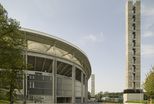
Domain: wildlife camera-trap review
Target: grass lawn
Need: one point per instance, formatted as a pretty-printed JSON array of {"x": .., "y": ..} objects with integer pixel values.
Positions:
[
  {"x": 142, "y": 101},
  {"x": 4, "y": 102},
  {"x": 7, "y": 102},
  {"x": 139, "y": 101}
]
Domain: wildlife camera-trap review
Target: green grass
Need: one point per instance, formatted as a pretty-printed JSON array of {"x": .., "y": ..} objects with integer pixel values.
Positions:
[
  {"x": 4, "y": 102},
  {"x": 139, "y": 101}
]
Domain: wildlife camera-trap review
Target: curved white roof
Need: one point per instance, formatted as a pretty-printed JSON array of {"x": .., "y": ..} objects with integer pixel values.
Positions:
[{"x": 46, "y": 43}]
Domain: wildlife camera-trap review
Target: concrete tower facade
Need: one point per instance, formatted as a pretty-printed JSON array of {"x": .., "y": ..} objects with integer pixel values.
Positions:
[
  {"x": 133, "y": 51},
  {"x": 92, "y": 85}
]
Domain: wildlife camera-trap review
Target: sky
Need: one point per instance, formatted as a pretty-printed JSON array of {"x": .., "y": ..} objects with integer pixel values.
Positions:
[{"x": 96, "y": 26}]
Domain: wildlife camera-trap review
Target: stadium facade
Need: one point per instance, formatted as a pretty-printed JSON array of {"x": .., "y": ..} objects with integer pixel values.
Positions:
[{"x": 59, "y": 71}]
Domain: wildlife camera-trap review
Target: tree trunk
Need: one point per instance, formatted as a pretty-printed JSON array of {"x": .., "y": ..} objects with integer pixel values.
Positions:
[{"x": 11, "y": 95}]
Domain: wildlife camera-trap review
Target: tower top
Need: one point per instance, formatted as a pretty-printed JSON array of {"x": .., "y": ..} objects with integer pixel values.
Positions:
[{"x": 133, "y": 0}]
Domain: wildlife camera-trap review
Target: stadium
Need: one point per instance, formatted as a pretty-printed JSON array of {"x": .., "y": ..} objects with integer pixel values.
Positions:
[{"x": 59, "y": 70}]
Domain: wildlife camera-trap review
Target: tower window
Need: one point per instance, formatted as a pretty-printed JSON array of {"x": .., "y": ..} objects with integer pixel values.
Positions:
[
  {"x": 134, "y": 35},
  {"x": 134, "y": 51},
  {"x": 134, "y": 60},
  {"x": 134, "y": 43},
  {"x": 134, "y": 9},
  {"x": 134, "y": 85},
  {"x": 133, "y": 76},
  {"x": 134, "y": 68},
  {"x": 134, "y": 18},
  {"x": 134, "y": 26},
  {"x": 133, "y": 80}
]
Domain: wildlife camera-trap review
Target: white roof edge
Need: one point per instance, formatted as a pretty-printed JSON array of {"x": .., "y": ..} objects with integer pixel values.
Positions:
[
  {"x": 59, "y": 39},
  {"x": 52, "y": 36}
]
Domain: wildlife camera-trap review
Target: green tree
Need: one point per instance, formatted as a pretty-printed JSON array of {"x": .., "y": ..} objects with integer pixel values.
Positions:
[
  {"x": 149, "y": 85},
  {"x": 89, "y": 95},
  {"x": 11, "y": 54},
  {"x": 99, "y": 96}
]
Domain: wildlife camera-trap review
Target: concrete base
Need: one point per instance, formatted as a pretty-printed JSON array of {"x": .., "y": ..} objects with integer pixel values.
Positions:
[{"x": 132, "y": 97}]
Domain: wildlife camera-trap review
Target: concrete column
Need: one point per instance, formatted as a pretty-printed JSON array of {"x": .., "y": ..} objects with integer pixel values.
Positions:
[
  {"x": 86, "y": 90},
  {"x": 73, "y": 84},
  {"x": 25, "y": 87},
  {"x": 81, "y": 87},
  {"x": 54, "y": 85},
  {"x": 25, "y": 74}
]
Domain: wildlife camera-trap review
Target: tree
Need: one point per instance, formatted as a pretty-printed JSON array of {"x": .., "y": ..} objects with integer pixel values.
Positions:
[
  {"x": 89, "y": 95},
  {"x": 149, "y": 85},
  {"x": 11, "y": 54},
  {"x": 99, "y": 96}
]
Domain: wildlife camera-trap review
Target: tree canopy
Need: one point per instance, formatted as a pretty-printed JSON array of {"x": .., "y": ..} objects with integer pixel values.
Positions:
[
  {"x": 11, "y": 54},
  {"x": 149, "y": 84}
]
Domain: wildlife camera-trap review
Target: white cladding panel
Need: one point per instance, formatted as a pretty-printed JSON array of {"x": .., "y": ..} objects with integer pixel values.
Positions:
[
  {"x": 64, "y": 87},
  {"x": 77, "y": 89}
]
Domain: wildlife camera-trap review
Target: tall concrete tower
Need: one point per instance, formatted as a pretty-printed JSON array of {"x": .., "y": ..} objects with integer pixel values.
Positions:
[
  {"x": 92, "y": 85},
  {"x": 133, "y": 51}
]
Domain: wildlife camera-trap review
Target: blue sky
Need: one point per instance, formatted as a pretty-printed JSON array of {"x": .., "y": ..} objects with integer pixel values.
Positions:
[{"x": 96, "y": 26}]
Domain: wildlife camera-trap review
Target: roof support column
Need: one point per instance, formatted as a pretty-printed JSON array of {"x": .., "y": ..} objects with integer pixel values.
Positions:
[
  {"x": 25, "y": 74},
  {"x": 54, "y": 86},
  {"x": 81, "y": 87},
  {"x": 25, "y": 87},
  {"x": 86, "y": 90},
  {"x": 73, "y": 84}
]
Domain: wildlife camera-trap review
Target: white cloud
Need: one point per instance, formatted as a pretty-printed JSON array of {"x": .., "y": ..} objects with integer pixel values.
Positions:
[
  {"x": 91, "y": 39},
  {"x": 147, "y": 19},
  {"x": 149, "y": 34},
  {"x": 147, "y": 9},
  {"x": 148, "y": 51}
]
